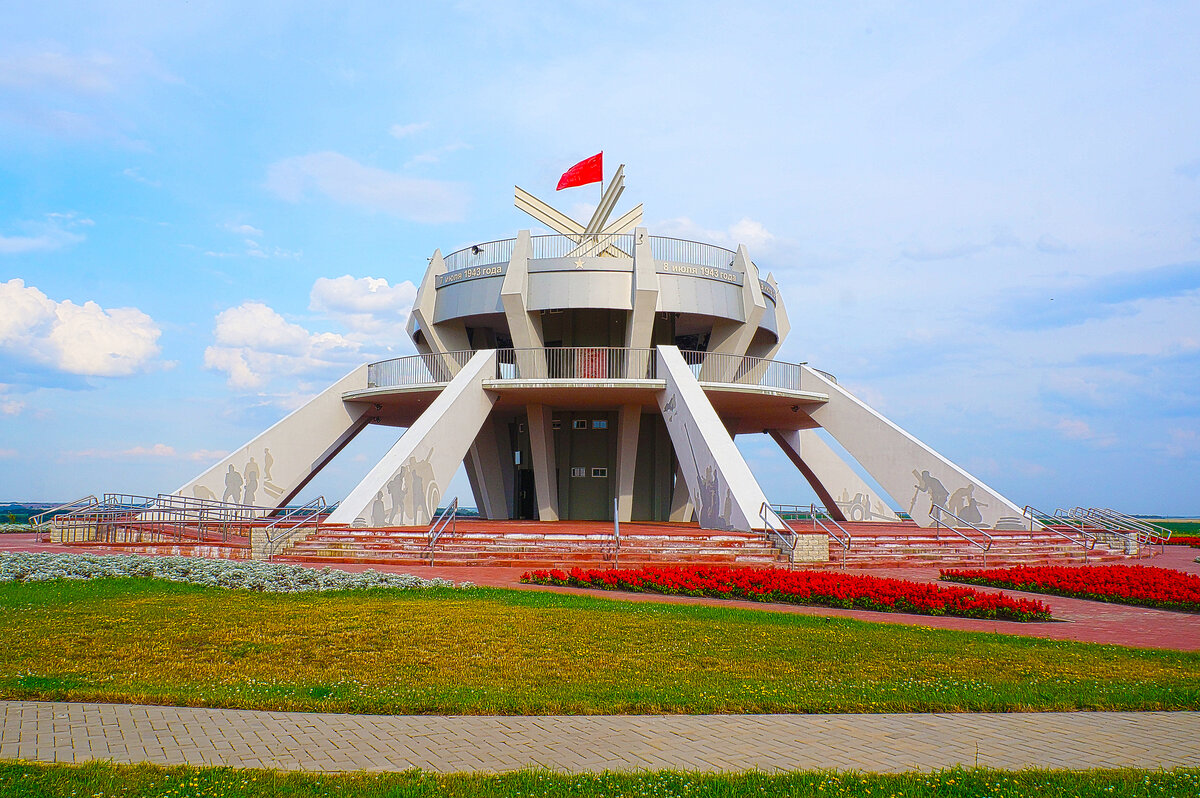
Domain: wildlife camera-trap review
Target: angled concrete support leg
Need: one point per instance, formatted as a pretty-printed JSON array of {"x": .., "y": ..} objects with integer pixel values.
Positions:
[
  {"x": 681, "y": 500},
  {"x": 486, "y": 474},
  {"x": 628, "y": 426},
  {"x": 271, "y": 469},
  {"x": 844, "y": 493},
  {"x": 914, "y": 475},
  {"x": 545, "y": 469},
  {"x": 724, "y": 491},
  {"x": 405, "y": 487}
]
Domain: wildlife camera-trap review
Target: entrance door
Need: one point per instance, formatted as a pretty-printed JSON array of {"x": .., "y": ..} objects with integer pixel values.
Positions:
[{"x": 526, "y": 497}]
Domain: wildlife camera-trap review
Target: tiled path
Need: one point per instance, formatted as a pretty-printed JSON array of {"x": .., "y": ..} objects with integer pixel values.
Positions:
[{"x": 68, "y": 732}]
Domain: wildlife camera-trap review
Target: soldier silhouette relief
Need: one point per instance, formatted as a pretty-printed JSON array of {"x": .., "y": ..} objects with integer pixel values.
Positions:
[{"x": 233, "y": 486}]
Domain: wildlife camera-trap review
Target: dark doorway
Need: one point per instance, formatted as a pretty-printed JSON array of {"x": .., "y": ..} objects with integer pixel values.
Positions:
[{"x": 526, "y": 502}]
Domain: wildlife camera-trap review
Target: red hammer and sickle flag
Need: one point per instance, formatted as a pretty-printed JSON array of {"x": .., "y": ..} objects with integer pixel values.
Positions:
[{"x": 589, "y": 170}]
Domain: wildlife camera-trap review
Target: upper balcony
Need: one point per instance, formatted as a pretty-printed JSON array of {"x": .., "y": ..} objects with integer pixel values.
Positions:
[
  {"x": 587, "y": 365},
  {"x": 749, "y": 393}
]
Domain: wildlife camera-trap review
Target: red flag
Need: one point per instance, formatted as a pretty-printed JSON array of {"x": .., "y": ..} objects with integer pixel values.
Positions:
[{"x": 589, "y": 170}]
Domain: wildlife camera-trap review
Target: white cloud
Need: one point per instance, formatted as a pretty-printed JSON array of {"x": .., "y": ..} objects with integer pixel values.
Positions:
[
  {"x": 135, "y": 175},
  {"x": 435, "y": 156},
  {"x": 11, "y": 407},
  {"x": 253, "y": 344},
  {"x": 8, "y": 453},
  {"x": 153, "y": 452},
  {"x": 346, "y": 181},
  {"x": 55, "y": 232},
  {"x": 364, "y": 304},
  {"x": 400, "y": 131},
  {"x": 244, "y": 230},
  {"x": 94, "y": 73},
  {"x": 78, "y": 339},
  {"x": 757, "y": 238},
  {"x": 253, "y": 247}
]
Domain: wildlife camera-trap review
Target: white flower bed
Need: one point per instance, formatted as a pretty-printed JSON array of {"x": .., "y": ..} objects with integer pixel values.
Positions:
[
  {"x": 266, "y": 577},
  {"x": 7, "y": 527}
]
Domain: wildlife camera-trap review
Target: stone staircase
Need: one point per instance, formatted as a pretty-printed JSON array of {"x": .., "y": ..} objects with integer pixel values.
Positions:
[
  {"x": 566, "y": 544},
  {"x": 906, "y": 544},
  {"x": 559, "y": 544}
]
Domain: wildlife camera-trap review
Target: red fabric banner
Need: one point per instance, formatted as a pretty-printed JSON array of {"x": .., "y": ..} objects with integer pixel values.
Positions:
[{"x": 589, "y": 170}]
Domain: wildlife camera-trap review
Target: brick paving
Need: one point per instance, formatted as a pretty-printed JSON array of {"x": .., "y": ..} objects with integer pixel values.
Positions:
[{"x": 77, "y": 732}]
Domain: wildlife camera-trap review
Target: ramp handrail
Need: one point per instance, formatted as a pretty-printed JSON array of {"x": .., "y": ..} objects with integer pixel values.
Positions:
[
  {"x": 446, "y": 518},
  {"x": 816, "y": 512},
  {"x": 1099, "y": 522},
  {"x": 1050, "y": 523},
  {"x": 616, "y": 532},
  {"x": 789, "y": 547},
  {"x": 39, "y": 519},
  {"x": 298, "y": 517},
  {"x": 1153, "y": 532},
  {"x": 939, "y": 524}
]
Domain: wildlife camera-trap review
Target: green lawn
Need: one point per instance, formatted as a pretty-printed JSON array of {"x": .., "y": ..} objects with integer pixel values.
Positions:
[
  {"x": 103, "y": 780},
  {"x": 491, "y": 651}
]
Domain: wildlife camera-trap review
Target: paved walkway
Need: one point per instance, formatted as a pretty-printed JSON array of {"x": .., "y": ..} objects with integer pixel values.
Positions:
[{"x": 71, "y": 732}]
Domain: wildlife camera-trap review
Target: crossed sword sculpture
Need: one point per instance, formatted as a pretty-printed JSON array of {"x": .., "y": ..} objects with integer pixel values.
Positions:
[{"x": 594, "y": 238}]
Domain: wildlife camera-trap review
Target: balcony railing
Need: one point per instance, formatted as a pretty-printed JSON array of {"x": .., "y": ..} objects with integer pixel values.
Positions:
[
  {"x": 673, "y": 250},
  {"x": 576, "y": 363},
  {"x": 589, "y": 363},
  {"x": 738, "y": 370},
  {"x": 428, "y": 369}
]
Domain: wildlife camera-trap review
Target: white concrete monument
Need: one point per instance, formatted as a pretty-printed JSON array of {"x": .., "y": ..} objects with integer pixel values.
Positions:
[{"x": 593, "y": 368}]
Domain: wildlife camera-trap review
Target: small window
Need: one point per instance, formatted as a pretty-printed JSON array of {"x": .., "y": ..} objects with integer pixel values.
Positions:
[
  {"x": 517, "y": 457},
  {"x": 600, "y": 472},
  {"x": 600, "y": 423},
  {"x": 579, "y": 423},
  {"x": 521, "y": 427},
  {"x": 579, "y": 472},
  {"x": 556, "y": 424}
]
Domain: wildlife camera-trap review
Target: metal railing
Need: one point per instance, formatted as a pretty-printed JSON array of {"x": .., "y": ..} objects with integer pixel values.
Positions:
[
  {"x": 738, "y": 370},
  {"x": 427, "y": 369},
  {"x": 292, "y": 520},
  {"x": 672, "y": 250},
  {"x": 936, "y": 511},
  {"x": 41, "y": 518},
  {"x": 1053, "y": 524},
  {"x": 616, "y": 533},
  {"x": 618, "y": 245},
  {"x": 1137, "y": 532},
  {"x": 576, "y": 363},
  {"x": 447, "y": 517},
  {"x": 787, "y": 545},
  {"x": 481, "y": 254},
  {"x": 1082, "y": 516},
  {"x": 841, "y": 537},
  {"x": 678, "y": 250},
  {"x": 165, "y": 518}
]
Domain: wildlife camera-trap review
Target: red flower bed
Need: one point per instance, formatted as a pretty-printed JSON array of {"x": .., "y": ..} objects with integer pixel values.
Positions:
[
  {"x": 1185, "y": 540},
  {"x": 1140, "y": 585},
  {"x": 822, "y": 588}
]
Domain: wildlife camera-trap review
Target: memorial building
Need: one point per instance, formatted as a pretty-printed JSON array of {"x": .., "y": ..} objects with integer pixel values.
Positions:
[{"x": 594, "y": 372}]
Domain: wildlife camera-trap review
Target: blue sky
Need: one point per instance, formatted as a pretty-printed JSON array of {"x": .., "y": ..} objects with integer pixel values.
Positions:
[{"x": 985, "y": 218}]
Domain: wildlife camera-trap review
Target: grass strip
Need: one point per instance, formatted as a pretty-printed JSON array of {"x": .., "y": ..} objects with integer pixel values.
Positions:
[
  {"x": 106, "y": 780},
  {"x": 524, "y": 652}
]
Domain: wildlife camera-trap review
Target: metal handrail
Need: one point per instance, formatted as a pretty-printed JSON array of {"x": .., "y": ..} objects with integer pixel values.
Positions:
[
  {"x": 576, "y": 363},
  {"x": 433, "y": 368},
  {"x": 448, "y": 516},
  {"x": 36, "y": 521},
  {"x": 937, "y": 520},
  {"x": 1084, "y": 516},
  {"x": 760, "y": 372},
  {"x": 789, "y": 547},
  {"x": 1050, "y": 523},
  {"x": 616, "y": 532},
  {"x": 309, "y": 513},
  {"x": 1153, "y": 532},
  {"x": 662, "y": 248},
  {"x": 815, "y": 513}
]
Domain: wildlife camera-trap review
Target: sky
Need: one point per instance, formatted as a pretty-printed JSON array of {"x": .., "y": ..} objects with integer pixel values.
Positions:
[{"x": 984, "y": 218}]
